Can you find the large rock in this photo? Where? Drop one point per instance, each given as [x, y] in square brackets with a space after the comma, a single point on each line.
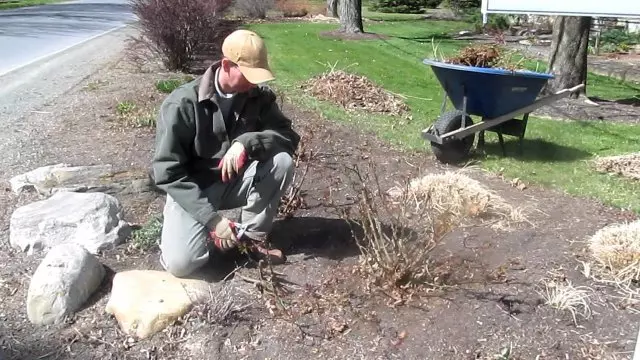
[146, 301]
[62, 283]
[62, 177]
[93, 220]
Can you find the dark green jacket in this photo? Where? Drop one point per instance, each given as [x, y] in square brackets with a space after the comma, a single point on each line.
[191, 139]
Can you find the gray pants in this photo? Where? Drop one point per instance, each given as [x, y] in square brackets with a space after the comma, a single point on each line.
[184, 242]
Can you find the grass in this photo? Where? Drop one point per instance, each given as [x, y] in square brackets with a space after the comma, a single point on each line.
[166, 86]
[131, 114]
[556, 153]
[13, 4]
[125, 107]
[148, 235]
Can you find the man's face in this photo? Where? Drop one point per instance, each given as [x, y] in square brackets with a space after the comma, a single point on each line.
[236, 82]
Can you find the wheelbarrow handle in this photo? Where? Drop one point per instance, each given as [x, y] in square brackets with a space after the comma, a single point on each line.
[571, 90]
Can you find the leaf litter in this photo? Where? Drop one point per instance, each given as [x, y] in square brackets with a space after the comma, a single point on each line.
[355, 92]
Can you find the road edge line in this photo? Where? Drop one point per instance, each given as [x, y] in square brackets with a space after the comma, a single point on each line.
[58, 52]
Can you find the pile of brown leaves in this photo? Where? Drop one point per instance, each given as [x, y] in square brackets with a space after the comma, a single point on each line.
[354, 92]
[624, 165]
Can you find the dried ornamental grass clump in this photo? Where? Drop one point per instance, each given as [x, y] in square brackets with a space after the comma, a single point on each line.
[566, 297]
[464, 197]
[354, 92]
[616, 248]
[625, 165]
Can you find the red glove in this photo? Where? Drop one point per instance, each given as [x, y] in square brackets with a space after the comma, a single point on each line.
[223, 234]
[233, 161]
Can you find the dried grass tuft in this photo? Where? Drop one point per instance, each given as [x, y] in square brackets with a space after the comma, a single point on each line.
[222, 307]
[355, 92]
[566, 297]
[624, 165]
[616, 249]
[464, 197]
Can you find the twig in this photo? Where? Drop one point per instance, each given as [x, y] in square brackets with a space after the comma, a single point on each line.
[408, 96]
[232, 272]
[93, 338]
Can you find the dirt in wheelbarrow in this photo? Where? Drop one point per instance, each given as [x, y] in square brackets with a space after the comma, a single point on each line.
[492, 295]
[593, 109]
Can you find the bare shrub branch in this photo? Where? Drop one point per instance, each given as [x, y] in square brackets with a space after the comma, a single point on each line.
[397, 238]
[179, 31]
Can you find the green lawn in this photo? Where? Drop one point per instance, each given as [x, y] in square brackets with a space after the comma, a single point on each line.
[555, 153]
[12, 4]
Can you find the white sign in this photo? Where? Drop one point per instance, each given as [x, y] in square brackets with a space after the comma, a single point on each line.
[596, 8]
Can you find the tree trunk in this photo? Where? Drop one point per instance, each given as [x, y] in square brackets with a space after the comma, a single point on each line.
[568, 57]
[350, 16]
[332, 8]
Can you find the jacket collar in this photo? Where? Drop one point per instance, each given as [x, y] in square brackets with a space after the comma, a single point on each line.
[207, 89]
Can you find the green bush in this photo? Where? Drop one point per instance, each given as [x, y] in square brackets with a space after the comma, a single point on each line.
[432, 4]
[460, 6]
[399, 6]
[495, 21]
[181, 31]
[616, 40]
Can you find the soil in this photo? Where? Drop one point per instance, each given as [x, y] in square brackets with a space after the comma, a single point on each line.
[490, 295]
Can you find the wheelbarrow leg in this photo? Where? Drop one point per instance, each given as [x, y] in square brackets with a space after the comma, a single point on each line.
[525, 118]
[501, 139]
[481, 141]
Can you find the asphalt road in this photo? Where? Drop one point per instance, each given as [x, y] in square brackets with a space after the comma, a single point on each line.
[31, 34]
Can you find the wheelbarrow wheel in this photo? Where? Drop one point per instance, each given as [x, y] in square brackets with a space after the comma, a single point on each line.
[455, 150]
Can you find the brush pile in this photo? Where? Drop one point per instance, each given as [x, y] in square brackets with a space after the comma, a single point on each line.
[354, 92]
[477, 55]
[486, 56]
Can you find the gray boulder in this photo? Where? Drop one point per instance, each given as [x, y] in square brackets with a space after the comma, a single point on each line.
[93, 220]
[62, 283]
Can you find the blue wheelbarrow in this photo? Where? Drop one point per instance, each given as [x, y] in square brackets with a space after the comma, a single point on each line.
[497, 96]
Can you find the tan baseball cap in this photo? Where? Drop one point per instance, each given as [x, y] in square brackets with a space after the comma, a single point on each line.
[247, 50]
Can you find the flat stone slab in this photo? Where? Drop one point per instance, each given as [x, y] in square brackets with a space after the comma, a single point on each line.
[62, 283]
[93, 220]
[48, 180]
[146, 301]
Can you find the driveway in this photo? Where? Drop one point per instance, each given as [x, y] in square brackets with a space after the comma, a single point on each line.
[30, 34]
